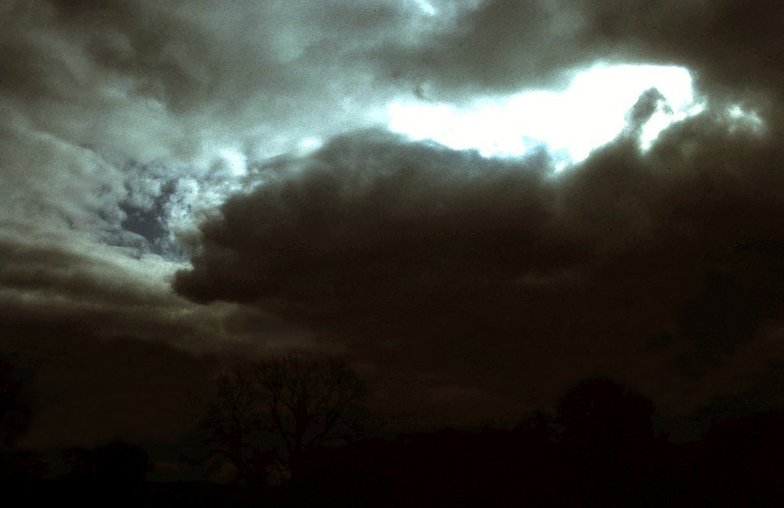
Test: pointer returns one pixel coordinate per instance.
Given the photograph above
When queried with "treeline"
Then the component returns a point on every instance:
(293, 432)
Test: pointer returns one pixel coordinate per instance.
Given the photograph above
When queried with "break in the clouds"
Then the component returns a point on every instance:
(477, 202)
(568, 124)
(123, 124)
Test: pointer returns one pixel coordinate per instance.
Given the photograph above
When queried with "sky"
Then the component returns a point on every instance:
(477, 203)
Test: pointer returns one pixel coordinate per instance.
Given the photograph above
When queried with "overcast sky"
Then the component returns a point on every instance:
(476, 202)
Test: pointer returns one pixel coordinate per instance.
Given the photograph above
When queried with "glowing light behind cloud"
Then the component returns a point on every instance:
(426, 7)
(589, 113)
(236, 161)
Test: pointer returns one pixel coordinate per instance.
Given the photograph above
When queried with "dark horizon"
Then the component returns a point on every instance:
(598, 446)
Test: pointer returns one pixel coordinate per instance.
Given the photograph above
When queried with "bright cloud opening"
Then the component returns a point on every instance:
(236, 161)
(426, 7)
(589, 113)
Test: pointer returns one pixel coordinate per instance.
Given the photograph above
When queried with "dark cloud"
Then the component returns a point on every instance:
(379, 199)
(44, 283)
(495, 275)
(112, 350)
(462, 286)
(506, 45)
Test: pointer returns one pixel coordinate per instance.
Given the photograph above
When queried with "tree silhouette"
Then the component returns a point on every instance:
(604, 414)
(741, 463)
(113, 474)
(234, 426)
(283, 410)
(608, 441)
(121, 464)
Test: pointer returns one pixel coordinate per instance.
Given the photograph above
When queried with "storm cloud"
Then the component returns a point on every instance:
(497, 46)
(494, 272)
(187, 183)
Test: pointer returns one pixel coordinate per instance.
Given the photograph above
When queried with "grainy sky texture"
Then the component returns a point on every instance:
(186, 183)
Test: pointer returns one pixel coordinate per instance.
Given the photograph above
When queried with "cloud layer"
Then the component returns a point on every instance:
(462, 286)
(121, 125)
(504, 276)
(504, 45)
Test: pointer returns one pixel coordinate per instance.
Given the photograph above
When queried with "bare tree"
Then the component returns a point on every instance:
(310, 404)
(287, 407)
(234, 425)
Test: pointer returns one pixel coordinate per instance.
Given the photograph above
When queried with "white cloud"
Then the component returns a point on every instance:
(587, 114)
